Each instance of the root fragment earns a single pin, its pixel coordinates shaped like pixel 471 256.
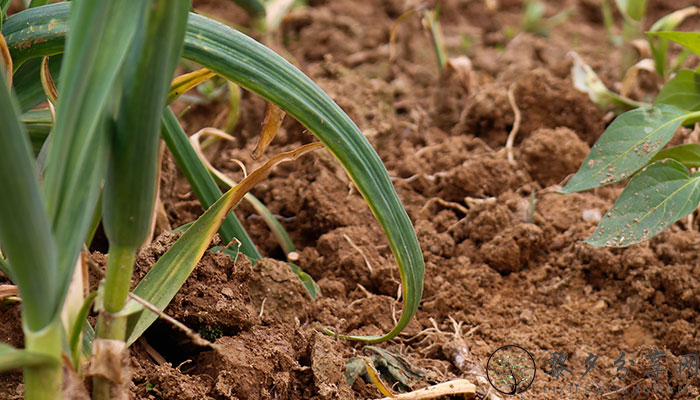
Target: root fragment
pixel 359 250
pixel 516 124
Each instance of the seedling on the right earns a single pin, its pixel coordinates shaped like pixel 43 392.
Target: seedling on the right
pixel 662 187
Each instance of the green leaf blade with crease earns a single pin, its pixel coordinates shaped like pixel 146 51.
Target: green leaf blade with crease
pixel 627 145
pixel 683 91
pixel 655 198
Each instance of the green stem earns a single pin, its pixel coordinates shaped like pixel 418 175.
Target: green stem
pixel 120 265
pixel 111 324
pixel 436 33
pixel 44 381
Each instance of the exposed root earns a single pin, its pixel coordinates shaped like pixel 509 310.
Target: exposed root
pixel 472 202
pixel 626 388
pixel 516 124
pixel 359 250
pixel 192 335
pixel 262 308
pixel 155 355
pixel 446 204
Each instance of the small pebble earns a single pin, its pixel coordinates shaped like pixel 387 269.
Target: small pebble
pixel 591 215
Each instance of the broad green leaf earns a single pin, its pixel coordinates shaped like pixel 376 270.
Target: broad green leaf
pixel 251 65
pixel 655 198
pixel 171 270
pixel 627 145
pixel 633 9
pixel 25 231
pixel 683 91
pixel 691 40
pixel 12 358
pixel 659 46
pixel 686 154
pixel 202 183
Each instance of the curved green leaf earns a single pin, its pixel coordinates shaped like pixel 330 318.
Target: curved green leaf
pixel 202 183
pixel 627 145
pixel 655 198
pixel 683 91
pixel 691 40
pixel 241 59
pixel 169 273
pixel 686 154
pixel 27 84
pixel 256 68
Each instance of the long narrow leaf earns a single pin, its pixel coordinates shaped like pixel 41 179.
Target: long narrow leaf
pixel 101 33
pixel 25 232
pixel 28 85
pixel 254 67
pixel 202 183
pixel 130 185
pixel 171 270
pixel 275 226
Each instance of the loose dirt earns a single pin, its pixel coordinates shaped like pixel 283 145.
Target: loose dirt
pixel 505 261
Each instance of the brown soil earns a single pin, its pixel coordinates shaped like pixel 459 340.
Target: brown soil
pixel 504 253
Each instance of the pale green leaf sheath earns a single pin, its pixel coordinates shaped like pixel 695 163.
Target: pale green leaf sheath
pixel 655 198
pixel 241 59
pixel 627 145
